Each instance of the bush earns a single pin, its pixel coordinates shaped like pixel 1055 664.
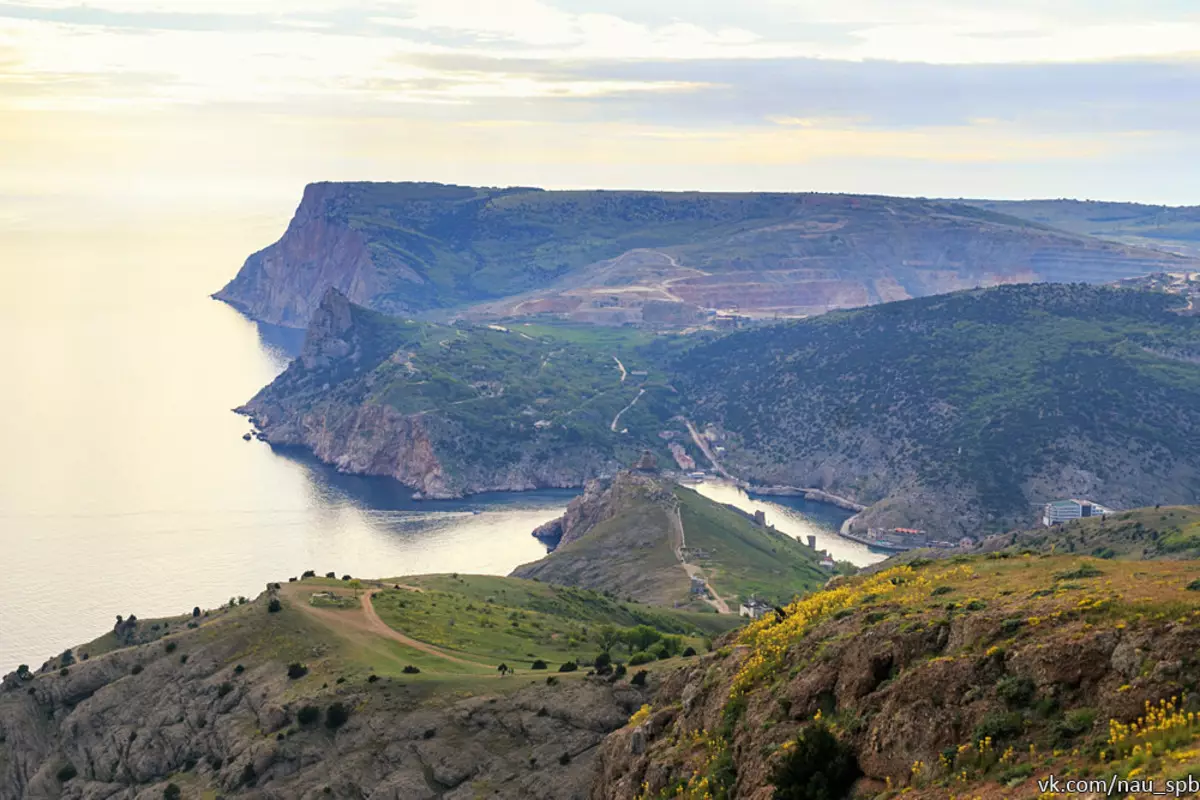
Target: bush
pixel 1016 692
pixel 330 574
pixel 224 689
pixel 976 605
pixel 64 671
pixel 66 772
pixel 817 767
pixel 137 669
pixel 688 652
pixel 336 716
pixel 274 606
pixel 999 726
pixel 172 792
pixel 196 611
pixel 409 669
pixel 239 669
pixel 637 659
pixel 639 678
pixel 297 670
pixel 183 659
pixel 568 666
pixel 620 671
pixel 539 664
pixel 602 663
pixel 1075 723
pixel 940 590
pixel 308 715
pixel 1194 586
pixel 1080 572
pixel 564 759
pixel 170 647
pixel 551 680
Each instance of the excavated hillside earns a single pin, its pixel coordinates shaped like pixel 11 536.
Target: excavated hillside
pixel 658 257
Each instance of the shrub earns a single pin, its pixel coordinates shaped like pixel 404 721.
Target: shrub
pixel 602 662
pixel 274 606
pixel 172 792
pixel 137 669
pixel 1075 723
pixel 940 590
pixel 296 670
pixel 224 689
pixel 999 726
pixel 239 669
pixel 817 767
pixel 308 715
pixel 336 716
pixel 1082 571
pixel 1016 692
pixel 639 678
pixel 976 605
pixel 170 647
pixel 346 578
pixel 564 759
pixel 330 574
pixel 551 680
pixel 66 772
pixel 1194 586
pixel 568 666
pixel 620 671
pixel 688 652
pixel 249 776
pixel 196 611
pixel 539 664
pixel 409 669
pixel 637 659
pixel 64 671
pixel 1011 625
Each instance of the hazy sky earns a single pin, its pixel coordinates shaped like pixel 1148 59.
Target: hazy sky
pixel 122 107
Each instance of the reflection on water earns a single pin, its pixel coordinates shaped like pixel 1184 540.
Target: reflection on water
pixel 798 517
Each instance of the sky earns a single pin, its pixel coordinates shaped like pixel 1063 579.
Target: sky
pixel 122 109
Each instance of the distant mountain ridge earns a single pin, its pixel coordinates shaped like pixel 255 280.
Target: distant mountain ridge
pixel 605 256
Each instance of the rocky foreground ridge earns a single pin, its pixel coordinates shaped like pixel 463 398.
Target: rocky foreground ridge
pixel 974 676
pixel 658 258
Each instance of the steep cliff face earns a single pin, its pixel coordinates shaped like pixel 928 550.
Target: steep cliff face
pixel 447 410
pixel 655 257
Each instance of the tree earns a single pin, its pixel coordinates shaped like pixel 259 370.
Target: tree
pixel 195 613
pixel 336 716
pixel 608 637
pixel 172 792
pixel 502 669
pixel 641 637
pixel 274 605
pixel 23 673
pixel 356 585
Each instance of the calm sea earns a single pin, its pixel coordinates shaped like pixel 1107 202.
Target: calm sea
pixel 126 487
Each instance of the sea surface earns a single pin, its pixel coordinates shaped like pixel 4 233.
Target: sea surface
pixel 126 486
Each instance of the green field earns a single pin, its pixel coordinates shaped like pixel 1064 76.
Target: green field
pixel 516 622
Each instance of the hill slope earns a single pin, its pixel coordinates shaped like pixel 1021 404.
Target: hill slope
pixel 961 413
pixel 1174 229
pixel 647 536
pixel 449 410
pixel 386 691
pixel 602 256
pixel 969 678
pixel 1170 532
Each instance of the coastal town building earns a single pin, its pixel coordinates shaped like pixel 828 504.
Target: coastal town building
pixel 754 608
pixel 1061 511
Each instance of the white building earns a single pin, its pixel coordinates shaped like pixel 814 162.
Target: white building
pixel 754 608
pixel 1066 510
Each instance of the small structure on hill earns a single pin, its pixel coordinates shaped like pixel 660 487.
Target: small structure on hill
pixel 647 463
pixel 760 517
pixel 699 587
pixel 754 608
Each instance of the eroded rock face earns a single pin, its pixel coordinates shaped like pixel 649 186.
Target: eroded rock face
pixel 204 726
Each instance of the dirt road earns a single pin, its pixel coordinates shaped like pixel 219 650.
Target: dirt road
pixel 365 620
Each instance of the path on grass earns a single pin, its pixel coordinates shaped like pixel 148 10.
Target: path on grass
pixel 678 543
pixel 367 620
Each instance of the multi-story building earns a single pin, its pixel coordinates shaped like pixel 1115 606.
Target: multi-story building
pixel 1066 510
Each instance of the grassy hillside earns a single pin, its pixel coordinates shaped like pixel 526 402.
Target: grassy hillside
pixel 643 537
pixel 968 678
pixel 745 559
pixel 500 408
pixel 297 694
pixel 1170 532
pixel 964 412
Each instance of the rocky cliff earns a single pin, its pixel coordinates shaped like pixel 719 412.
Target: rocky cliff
pixel 661 258
pixel 973 678
pixel 454 410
